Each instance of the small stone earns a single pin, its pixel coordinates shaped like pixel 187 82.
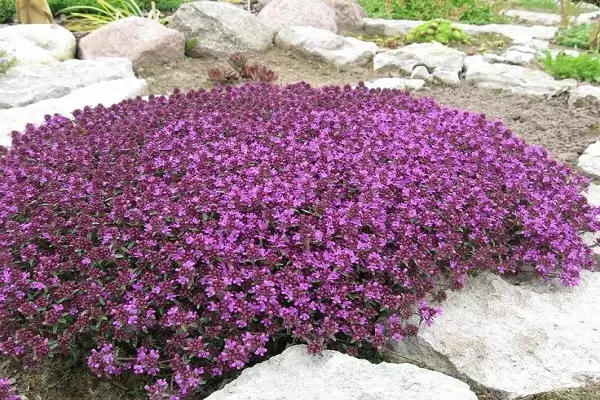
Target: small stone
pixel 421 72
pixel 585 95
pixel 589 161
pixel 396 83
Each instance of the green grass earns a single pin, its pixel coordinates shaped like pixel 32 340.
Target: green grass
pixel 7 10
pixel 584 67
pixel 551 6
pixel 469 11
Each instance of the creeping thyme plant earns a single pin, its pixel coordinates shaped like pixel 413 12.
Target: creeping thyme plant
pixel 182 238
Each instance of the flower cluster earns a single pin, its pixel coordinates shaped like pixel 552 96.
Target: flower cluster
pixel 7 389
pixel 182 238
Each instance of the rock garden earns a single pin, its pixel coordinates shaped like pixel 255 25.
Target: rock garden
pixel 299 200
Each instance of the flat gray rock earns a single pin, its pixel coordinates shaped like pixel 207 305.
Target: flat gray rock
pixel 514 340
pixel 326 46
pixel 532 17
pixel 296 375
pixel 105 93
pixel 221 29
pixel 514 78
pixel 444 62
pixel 24 85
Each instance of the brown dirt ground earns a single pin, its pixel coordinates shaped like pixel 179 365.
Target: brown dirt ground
pixel 564 131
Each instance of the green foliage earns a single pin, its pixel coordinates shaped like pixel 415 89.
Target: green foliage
pixel 163 5
pixel 469 11
pixel 575 36
pixel 88 18
pixel 582 67
pixel 437 30
pixel 574 7
pixel 7 10
pixel 6 62
pixel 190 44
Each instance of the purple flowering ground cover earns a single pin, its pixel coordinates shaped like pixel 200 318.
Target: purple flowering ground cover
pixel 182 238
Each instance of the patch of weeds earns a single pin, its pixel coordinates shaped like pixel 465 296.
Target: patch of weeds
pixel 578 36
pixel 7 10
pixel 477 12
pixel 582 67
pixel 6 62
pixel 552 6
pixel 437 30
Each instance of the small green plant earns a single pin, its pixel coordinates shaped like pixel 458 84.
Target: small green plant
pixel 241 70
pixel 575 36
pixel 190 44
pixel 86 18
pixel 7 10
pixel 56 6
pixel 6 62
pixel 582 67
pixel 437 30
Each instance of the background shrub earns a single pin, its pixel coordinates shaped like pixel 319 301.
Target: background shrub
pixel 469 11
pixel 7 10
pixel 186 237
pixel 582 67
pixel 437 30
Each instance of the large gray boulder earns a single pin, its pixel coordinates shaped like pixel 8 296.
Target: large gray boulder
pixel 326 46
pixel 348 14
pixel 32 83
pixel 142 40
pixel 285 13
pixel 37 43
pixel 514 340
pixel 105 93
pixel 221 29
pixel 514 78
pixel 444 62
pixel 297 375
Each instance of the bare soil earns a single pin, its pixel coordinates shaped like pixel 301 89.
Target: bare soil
pixel 562 130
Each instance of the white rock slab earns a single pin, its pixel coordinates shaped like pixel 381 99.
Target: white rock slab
pixel 326 45
pixel 514 340
pixel 105 93
pixel 53 41
pixel 514 78
pixel 584 94
pixel 32 83
pixel 589 161
pixel 396 83
pixel 532 17
pixel 296 375
pixel 593 197
pixel 388 27
pixel 421 72
pixel 445 62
